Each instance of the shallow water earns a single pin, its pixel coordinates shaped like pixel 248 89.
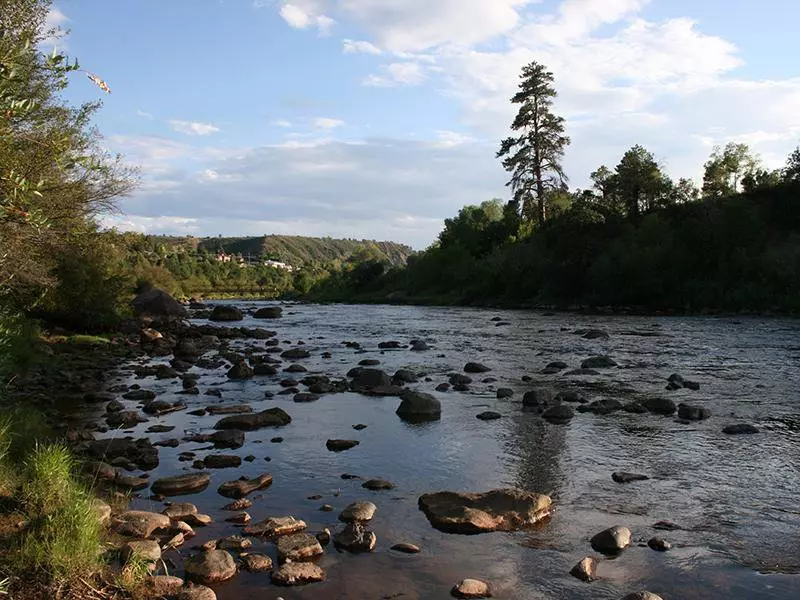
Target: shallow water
pixel 736 497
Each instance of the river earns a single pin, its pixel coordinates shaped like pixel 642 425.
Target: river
pixel 735 497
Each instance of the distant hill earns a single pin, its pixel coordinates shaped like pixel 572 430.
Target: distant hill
pixel 297 250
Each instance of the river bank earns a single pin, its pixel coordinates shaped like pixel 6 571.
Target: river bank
pixel 723 546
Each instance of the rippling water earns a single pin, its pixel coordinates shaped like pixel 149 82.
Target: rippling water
pixel 736 497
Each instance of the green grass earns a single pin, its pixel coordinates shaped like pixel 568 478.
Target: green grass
pixel 133 573
pixel 64 538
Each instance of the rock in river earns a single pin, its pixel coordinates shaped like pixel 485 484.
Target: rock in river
pixel 222 461
pixel 612 540
pixel 474 367
pixel 268 312
pixel 242 487
pixel 226 313
pixel 643 595
pixel 586 570
pixel 598 362
pixel 488 415
pixel 272 417
pixel 495 510
pixel 419 406
pixel 196 592
pixel 210 567
pixel 298 574
pixel 660 406
pixel 140 524
pixel 693 413
pixel 275 527
pixel 257 563
pixel 298 547
pixel 355 538
pixel 187 483
pixel 740 428
pixel 378 484
pixel 471 588
pixel 560 414
pixel 659 544
pixel 340 445
pixel 358 511
pixel 625 477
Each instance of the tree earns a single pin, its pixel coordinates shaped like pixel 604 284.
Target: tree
pixel 54 176
pixel 726 168
pixel 639 183
pixel 533 156
pixel 684 191
pixel 791 171
pixel 479 229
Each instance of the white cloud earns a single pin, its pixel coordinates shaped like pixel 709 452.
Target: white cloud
pixel 193 127
pixel 451 139
pixel 174 225
pixel 417 25
pixel 144 115
pixel 302 14
pixel 359 47
pixel 397 74
pixel 326 123
pixel 281 123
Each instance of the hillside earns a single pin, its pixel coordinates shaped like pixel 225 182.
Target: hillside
pixel 298 250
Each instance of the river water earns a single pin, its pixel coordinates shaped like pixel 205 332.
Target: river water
pixel 735 497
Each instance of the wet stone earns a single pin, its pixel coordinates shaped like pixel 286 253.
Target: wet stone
pixel 471 588
pixel 298 547
pixel 585 570
pixel 292 574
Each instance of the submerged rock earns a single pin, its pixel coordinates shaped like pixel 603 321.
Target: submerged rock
pixel 625 477
pixel 598 362
pixel 660 406
pixel 268 312
pixel 297 574
pixel 242 487
pixel 475 367
pixel 496 510
pixel 739 429
pixel 560 414
pixel 341 445
pixel 488 415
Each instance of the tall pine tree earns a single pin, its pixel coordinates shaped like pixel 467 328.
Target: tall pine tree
pixel 533 156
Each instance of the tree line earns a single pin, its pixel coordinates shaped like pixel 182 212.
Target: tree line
pixel 635 238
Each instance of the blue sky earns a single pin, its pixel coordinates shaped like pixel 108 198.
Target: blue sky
pixel 380 118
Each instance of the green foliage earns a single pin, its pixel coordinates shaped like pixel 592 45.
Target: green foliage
pixel 726 169
pixel 17 335
pixel 533 156
pixel 63 538
pixel 791 172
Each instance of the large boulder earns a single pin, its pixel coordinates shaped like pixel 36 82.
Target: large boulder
pixel 268 312
pixel 660 406
pixel 157 303
pixel 417 407
pixel 358 512
pixel 495 510
pixel 272 417
pixel 226 313
pixel 355 538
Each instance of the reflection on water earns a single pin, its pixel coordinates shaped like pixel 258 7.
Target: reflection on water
pixel 735 497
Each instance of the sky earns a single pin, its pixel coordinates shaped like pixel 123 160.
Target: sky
pixel 378 119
